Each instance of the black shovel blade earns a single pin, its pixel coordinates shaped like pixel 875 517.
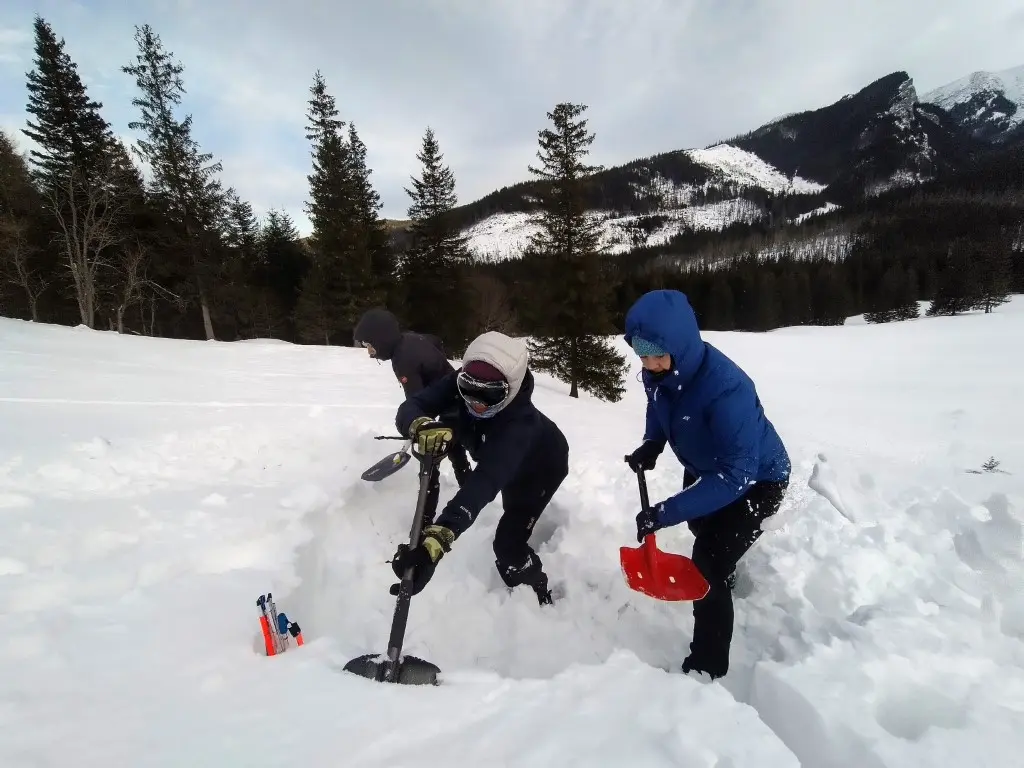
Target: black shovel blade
pixel 387 466
pixel 411 670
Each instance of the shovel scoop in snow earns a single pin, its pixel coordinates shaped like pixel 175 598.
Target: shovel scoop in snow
pixel 661 575
pixel 392 666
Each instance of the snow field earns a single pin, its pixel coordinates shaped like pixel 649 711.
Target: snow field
pixel 151 489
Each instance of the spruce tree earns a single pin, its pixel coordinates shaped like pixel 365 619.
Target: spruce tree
pixel 995 274
pixel 959 287
pixel 370 251
pixel 351 264
pixel 73 137
pixel 184 179
pixel 577 294
pixel 433 268
pixel 326 294
pixel 285 262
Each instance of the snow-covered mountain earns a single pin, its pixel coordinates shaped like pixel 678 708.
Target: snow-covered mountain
pixel 787 171
pixel 988 104
pixel 712 199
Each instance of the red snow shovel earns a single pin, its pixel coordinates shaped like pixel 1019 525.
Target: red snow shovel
pixel 657 574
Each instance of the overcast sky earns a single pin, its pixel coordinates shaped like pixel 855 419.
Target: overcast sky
pixel 657 74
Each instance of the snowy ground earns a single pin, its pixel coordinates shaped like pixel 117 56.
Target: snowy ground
pixel 150 490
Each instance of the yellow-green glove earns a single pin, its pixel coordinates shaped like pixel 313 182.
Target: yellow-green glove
pixel 431 437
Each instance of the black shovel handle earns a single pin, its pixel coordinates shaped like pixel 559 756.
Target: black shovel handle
pixel 641 478
pixel 401 615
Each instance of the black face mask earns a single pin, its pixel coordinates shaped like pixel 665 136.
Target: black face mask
pixel 659 375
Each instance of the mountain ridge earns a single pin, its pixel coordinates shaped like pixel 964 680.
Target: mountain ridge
pixel 789 169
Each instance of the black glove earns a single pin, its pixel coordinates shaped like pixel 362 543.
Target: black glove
pixel 646 524
pixel 423 559
pixel 644 457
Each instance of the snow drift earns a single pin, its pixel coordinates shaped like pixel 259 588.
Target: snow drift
pixel 151 489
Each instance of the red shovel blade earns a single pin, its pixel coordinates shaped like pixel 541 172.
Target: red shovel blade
pixel 661 575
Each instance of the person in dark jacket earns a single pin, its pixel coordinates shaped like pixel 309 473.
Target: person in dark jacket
pixel 417 360
pixel 519 453
pixel 736 468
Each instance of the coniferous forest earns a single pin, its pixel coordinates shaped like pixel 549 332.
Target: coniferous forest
pixel 150 241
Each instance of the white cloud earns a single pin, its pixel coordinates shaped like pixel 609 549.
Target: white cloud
pixel 658 74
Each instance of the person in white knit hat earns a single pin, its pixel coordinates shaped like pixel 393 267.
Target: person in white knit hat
pixel 519 452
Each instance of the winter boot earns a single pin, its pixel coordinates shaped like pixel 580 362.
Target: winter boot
pixel 692 670
pixel 531 573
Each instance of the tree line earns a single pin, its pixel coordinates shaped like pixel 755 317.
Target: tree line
pixel 149 240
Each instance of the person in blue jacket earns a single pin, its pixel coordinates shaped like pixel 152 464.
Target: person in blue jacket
pixel 736 468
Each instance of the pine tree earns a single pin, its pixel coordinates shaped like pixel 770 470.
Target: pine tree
pixel 371 251
pixel 995 274
pixel 906 306
pixel 326 296
pixel 433 268
pixel 78 168
pixel 184 180
pixel 73 137
pixel 352 268
pixel 577 294
pixel 285 263
pixel 958 288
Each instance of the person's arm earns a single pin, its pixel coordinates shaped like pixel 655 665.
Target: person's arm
pixel 408 376
pixel 429 401
pixel 652 428
pixel 499 460
pixel 731 419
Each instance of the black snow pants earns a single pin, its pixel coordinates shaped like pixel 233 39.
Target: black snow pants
pixel 524 501
pixel 721 539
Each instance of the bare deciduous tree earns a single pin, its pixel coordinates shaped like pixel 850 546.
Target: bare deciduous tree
pixel 492 309
pixel 16 262
pixel 88 214
pixel 136 286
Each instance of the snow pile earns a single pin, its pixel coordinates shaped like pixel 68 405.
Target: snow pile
pixel 737 166
pixel 151 489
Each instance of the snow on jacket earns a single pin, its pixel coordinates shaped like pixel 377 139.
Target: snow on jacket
pixel 512 449
pixel 706 408
pixel 417 359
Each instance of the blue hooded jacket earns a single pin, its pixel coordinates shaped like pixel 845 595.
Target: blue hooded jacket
pixel 706 408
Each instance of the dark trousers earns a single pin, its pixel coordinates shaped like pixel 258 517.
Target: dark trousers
pixel 523 503
pixel 721 539
pixel 460 463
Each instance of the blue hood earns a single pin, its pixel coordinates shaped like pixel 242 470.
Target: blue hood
pixel 667 319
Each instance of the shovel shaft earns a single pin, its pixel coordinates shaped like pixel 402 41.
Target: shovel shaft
pixel 650 546
pixel 401 615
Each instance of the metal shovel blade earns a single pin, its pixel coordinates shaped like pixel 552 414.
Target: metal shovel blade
pixel 661 575
pixel 387 466
pixel 411 669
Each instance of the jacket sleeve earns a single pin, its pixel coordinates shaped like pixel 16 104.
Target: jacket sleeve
pixel 652 428
pixel 498 462
pixel 731 420
pixel 431 401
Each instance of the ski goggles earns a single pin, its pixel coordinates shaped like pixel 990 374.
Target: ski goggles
pixel 482 395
